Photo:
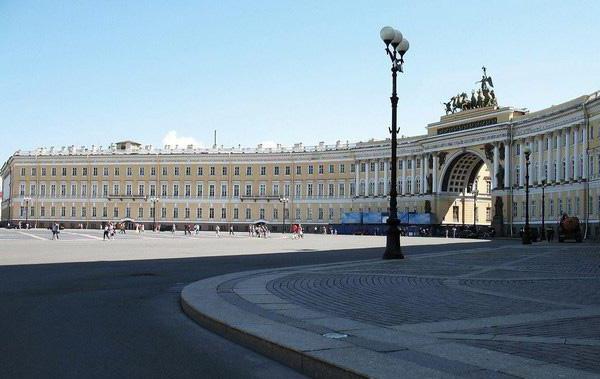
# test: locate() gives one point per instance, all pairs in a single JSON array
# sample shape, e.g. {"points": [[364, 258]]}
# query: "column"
{"points": [[386, 168], [356, 178], [530, 143], [496, 167], [550, 174], [584, 149], [367, 168], [404, 162], [507, 164], [426, 173], [567, 155], [423, 181], [434, 173], [377, 177], [413, 175], [522, 163], [540, 175], [576, 153], [559, 172]]}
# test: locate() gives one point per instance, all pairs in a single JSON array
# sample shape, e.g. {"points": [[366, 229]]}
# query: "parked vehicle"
{"points": [[569, 228]]}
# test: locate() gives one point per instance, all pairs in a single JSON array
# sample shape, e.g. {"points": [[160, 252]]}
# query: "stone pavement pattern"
{"points": [[510, 311]]}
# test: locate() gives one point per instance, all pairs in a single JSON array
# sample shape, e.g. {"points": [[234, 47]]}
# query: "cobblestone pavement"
{"points": [[508, 281], [497, 311]]}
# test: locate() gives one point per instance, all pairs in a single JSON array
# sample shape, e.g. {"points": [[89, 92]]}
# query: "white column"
{"points": [[540, 158], [549, 144], [584, 174], [404, 162], [496, 167], [423, 184], [377, 177], [426, 173], [434, 173], [522, 163], [559, 172], [530, 143], [356, 178], [413, 175], [576, 153], [567, 154], [507, 164], [386, 168], [367, 168]]}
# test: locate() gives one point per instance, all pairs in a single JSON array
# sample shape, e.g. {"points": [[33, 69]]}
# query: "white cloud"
{"points": [[269, 144], [171, 138]]}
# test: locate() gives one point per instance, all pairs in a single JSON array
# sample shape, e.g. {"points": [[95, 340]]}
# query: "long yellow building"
{"points": [[468, 168]]}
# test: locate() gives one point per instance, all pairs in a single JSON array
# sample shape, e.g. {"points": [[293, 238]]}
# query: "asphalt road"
{"points": [[123, 318]]}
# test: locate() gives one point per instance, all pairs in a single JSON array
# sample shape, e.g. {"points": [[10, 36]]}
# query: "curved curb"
{"points": [[298, 360]]}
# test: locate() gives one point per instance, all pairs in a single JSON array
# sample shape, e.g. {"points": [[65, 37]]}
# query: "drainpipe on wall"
{"points": [[509, 210]]}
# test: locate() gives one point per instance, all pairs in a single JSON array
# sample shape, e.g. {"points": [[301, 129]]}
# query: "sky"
{"points": [[97, 72]]}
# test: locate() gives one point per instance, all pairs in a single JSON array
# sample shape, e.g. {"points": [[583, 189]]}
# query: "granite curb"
{"points": [[240, 307]]}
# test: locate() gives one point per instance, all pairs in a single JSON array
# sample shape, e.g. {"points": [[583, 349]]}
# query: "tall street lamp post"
{"points": [[399, 46], [154, 200], [27, 200], [283, 200], [543, 233], [475, 193], [526, 238]]}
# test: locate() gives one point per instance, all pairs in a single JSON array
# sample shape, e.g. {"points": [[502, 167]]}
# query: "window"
{"points": [[249, 170], [187, 212], [248, 214], [309, 190], [128, 189], [236, 190], [53, 171], [43, 171], [211, 190], [275, 213], [309, 213], [236, 213], [455, 211], [94, 212], [342, 168], [331, 213], [275, 189], [64, 171], [372, 166], [129, 171], [223, 190], [298, 170], [212, 170], [331, 169], [142, 171], [248, 189], [341, 190], [320, 190], [236, 171], [298, 214], [140, 189], [298, 191], [211, 213], [175, 190], [115, 189], [276, 170], [320, 169], [152, 171], [198, 212], [262, 189], [34, 171], [175, 212], [199, 189], [381, 166], [286, 190], [115, 212], [352, 189], [63, 190], [188, 172], [164, 172], [261, 213], [352, 168], [287, 170], [188, 190], [140, 212], [263, 170], [117, 171], [128, 212], [224, 170], [223, 213], [74, 171], [42, 211], [163, 212], [310, 169], [176, 171], [200, 171], [163, 190]]}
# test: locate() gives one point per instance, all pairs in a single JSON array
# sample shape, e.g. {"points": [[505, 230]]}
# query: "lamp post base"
{"points": [[392, 246], [526, 239]]}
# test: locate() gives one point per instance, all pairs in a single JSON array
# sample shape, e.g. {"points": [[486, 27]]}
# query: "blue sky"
{"points": [[95, 72]]}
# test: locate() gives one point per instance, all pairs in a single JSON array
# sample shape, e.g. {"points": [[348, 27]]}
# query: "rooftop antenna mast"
{"points": [[215, 140]]}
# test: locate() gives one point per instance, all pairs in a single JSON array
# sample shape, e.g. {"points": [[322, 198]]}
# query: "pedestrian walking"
{"points": [[173, 229], [231, 233], [105, 235], [217, 231]]}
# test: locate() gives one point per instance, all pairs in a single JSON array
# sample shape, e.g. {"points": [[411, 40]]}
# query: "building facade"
{"points": [[468, 168]]}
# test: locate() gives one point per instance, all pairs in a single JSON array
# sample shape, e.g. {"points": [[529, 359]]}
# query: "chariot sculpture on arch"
{"points": [[480, 98]]}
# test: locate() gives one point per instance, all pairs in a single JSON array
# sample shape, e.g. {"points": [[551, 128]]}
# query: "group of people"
{"points": [[297, 231], [258, 231], [110, 230]]}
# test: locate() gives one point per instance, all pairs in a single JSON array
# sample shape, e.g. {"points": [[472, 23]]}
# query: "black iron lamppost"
{"points": [[543, 233], [154, 200], [284, 201], [475, 193], [27, 200], [399, 46], [526, 238]]}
